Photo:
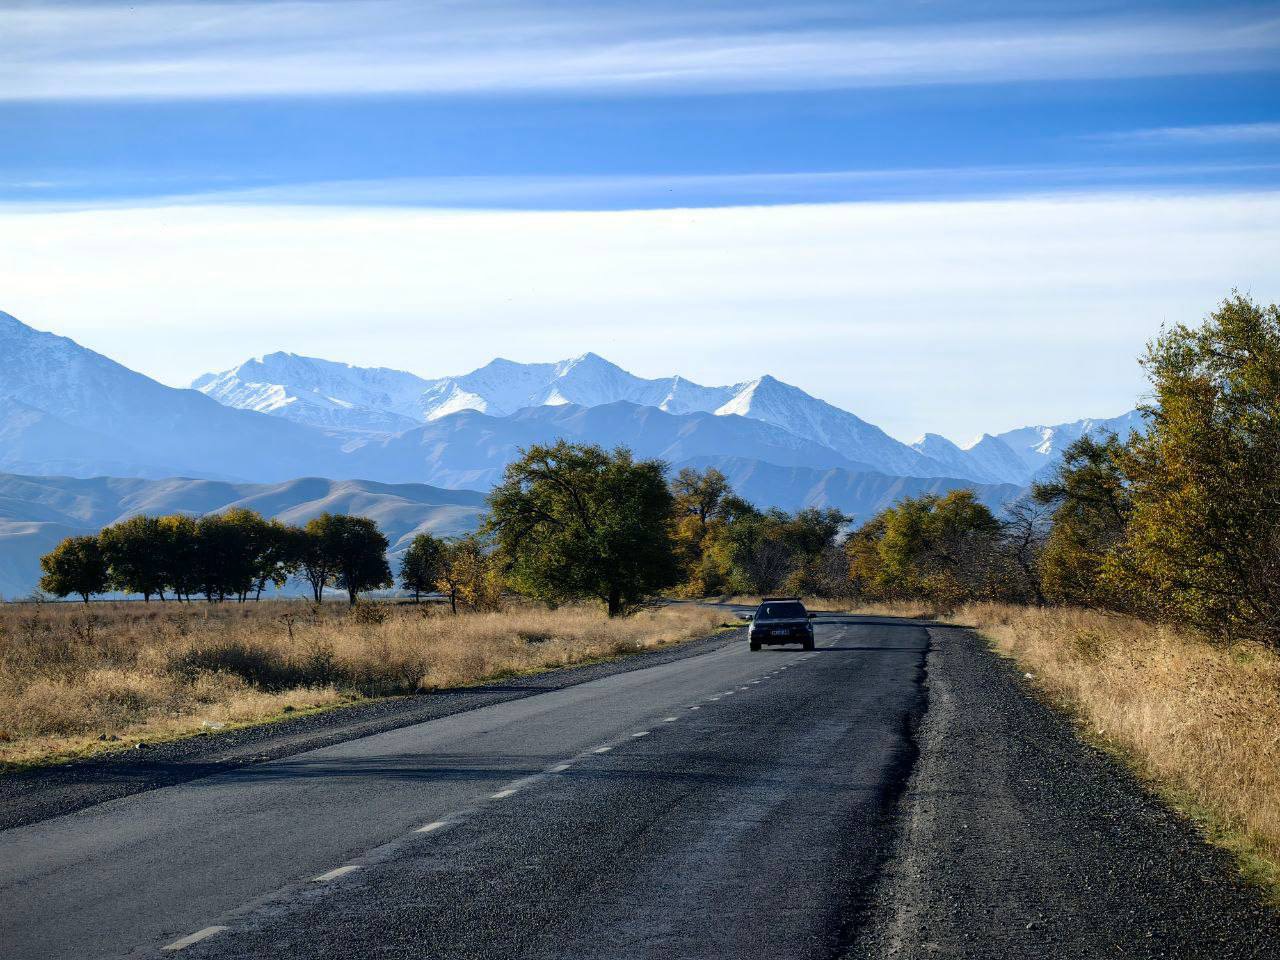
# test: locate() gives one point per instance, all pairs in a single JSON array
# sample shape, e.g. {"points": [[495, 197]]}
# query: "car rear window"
{"points": [[780, 611]]}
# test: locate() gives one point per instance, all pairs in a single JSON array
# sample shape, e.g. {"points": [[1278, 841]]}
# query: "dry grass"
{"points": [[72, 680], [1200, 721]]}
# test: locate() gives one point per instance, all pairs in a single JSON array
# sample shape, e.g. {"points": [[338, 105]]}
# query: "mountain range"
{"points": [[377, 402], [85, 441]]}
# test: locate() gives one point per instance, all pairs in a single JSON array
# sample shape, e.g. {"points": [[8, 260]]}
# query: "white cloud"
{"points": [[389, 46], [1206, 134], [956, 317]]}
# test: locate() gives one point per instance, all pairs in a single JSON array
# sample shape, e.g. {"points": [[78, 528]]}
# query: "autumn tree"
{"points": [[134, 559], [422, 564]]}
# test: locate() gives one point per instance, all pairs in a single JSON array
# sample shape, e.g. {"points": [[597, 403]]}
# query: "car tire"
{"points": [[808, 644], [755, 647]]}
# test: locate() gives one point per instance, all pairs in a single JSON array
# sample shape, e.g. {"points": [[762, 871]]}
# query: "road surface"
{"points": [[728, 804]]}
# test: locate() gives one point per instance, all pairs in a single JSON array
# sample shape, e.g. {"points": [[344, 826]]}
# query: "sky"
{"points": [[946, 217]]}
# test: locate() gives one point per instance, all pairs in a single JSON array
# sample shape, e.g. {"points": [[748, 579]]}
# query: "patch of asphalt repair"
{"points": [[1015, 839], [29, 796]]}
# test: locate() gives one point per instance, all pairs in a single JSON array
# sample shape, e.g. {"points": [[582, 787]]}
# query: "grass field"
{"points": [[76, 680]]}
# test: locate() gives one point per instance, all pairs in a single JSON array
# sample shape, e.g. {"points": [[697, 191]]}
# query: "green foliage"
{"points": [[1092, 503], [941, 549], [353, 552], [76, 565], [136, 564], [574, 521], [1202, 544], [422, 564]]}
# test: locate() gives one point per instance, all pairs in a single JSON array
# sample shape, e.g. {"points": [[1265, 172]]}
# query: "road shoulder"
{"points": [[1016, 839]]}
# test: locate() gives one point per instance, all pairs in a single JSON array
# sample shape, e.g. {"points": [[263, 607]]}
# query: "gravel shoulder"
{"points": [[1016, 839], [33, 795]]}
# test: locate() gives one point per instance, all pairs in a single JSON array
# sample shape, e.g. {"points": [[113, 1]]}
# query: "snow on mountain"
{"points": [[77, 411], [320, 392], [1039, 448]]}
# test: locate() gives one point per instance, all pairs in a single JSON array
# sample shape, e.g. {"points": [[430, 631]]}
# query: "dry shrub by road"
{"points": [[1199, 720], [73, 678]]}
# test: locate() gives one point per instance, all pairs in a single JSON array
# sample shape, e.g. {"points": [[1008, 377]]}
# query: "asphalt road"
{"points": [[893, 793]]}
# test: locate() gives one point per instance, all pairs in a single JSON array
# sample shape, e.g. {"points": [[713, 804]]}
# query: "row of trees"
{"points": [[1178, 523], [219, 556]]}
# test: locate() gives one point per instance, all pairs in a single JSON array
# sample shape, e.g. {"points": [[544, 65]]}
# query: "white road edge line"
{"points": [[501, 794], [196, 937], [431, 826], [335, 874]]}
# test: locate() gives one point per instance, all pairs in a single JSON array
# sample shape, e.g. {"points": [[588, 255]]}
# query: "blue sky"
{"points": [[960, 115]]}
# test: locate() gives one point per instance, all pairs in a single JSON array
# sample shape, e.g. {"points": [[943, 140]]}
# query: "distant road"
{"points": [[728, 804]]}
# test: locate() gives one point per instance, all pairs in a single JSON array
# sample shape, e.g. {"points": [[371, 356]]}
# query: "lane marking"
{"points": [[602, 749], [712, 698], [642, 733], [431, 826], [501, 794], [561, 767], [196, 937], [669, 719], [335, 874], [695, 708]]}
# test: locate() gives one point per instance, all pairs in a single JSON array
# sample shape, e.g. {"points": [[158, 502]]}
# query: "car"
{"points": [[780, 620]]}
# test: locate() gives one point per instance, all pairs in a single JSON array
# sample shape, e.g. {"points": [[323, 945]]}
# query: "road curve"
{"points": [[895, 793]]}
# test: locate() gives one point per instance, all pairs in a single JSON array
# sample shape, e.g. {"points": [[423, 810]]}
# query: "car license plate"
{"points": [[780, 633]]}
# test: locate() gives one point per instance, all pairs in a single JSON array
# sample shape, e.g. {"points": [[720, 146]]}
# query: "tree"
{"points": [[134, 555], [468, 574], [76, 565], [1091, 503], [574, 521], [1202, 543], [225, 553], [178, 560], [277, 553], [421, 565], [933, 548], [350, 552], [1024, 531]]}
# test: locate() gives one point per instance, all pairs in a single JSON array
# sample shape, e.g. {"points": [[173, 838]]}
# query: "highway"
{"points": [[729, 804], [897, 793]]}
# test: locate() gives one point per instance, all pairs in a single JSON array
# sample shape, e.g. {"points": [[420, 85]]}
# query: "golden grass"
{"points": [[73, 680], [1198, 720]]}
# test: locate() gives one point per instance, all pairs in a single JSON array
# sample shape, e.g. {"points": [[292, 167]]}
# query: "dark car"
{"points": [[780, 620]]}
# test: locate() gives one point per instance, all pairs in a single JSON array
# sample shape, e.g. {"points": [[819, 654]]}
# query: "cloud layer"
{"points": [[396, 46]]}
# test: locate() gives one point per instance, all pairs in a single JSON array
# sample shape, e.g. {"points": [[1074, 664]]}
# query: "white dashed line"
{"points": [[196, 937], [642, 733], [669, 719], [430, 827], [695, 708], [560, 767], [501, 794], [713, 698], [602, 749], [335, 874]]}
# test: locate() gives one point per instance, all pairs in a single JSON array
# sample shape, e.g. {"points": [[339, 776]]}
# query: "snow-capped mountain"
{"points": [[69, 409], [1039, 448], [321, 393], [327, 394]]}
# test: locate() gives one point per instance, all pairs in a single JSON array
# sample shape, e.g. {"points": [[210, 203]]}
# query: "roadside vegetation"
{"points": [[76, 680]]}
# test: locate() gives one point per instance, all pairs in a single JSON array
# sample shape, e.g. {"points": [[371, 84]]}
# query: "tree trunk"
{"points": [[615, 601], [351, 596], [453, 601]]}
